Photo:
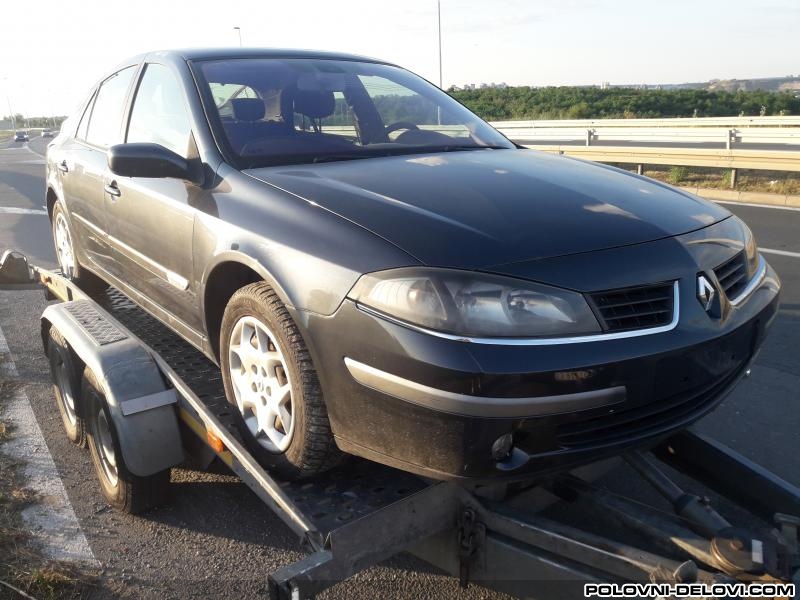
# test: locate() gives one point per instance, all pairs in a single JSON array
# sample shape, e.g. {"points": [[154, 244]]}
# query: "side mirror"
{"points": [[147, 160]]}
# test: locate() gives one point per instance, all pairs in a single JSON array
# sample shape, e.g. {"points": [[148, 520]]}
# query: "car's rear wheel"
{"points": [[270, 378], [67, 259]]}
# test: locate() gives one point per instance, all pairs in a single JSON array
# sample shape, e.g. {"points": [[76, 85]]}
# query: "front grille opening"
{"points": [[633, 308], [732, 275]]}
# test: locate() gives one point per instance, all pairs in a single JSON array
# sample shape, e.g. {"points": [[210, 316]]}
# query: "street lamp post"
{"points": [[10, 111], [239, 31], [439, 13]]}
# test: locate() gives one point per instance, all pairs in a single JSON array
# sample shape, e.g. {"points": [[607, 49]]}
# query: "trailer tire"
{"points": [[311, 448], [122, 489], [66, 387], [67, 259]]}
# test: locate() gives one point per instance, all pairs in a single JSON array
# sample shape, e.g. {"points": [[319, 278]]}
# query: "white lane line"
{"points": [[50, 518], [754, 205], [780, 252], [13, 210]]}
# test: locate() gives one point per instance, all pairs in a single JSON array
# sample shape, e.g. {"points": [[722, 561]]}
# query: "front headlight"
{"points": [[472, 304], [751, 250]]}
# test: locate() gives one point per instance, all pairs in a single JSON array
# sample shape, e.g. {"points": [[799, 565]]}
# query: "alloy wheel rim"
{"points": [[64, 246], [105, 448], [261, 384]]}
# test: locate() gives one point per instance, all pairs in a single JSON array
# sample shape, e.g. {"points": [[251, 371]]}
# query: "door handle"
{"points": [[62, 166], [112, 190]]}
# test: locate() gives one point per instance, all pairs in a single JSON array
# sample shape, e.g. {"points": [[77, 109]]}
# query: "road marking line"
{"points": [[13, 210], [754, 205], [50, 519], [779, 252]]}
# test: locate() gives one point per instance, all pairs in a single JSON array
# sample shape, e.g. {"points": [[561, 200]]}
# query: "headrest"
{"points": [[247, 109], [316, 104]]}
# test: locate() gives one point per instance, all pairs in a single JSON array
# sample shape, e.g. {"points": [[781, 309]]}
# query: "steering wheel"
{"points": [[400, 125]]}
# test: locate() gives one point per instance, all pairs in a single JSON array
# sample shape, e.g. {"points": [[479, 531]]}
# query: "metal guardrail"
{"points": [[771, 160], [668, 135], [727, 122], [679, 142]]}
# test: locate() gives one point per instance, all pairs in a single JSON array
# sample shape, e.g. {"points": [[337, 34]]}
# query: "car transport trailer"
{"points": [[144, 401]]}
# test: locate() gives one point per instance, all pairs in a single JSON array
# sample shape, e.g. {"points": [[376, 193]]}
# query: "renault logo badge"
{"points": [[705, 292]]}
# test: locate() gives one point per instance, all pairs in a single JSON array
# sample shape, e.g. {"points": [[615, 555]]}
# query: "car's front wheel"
{"points": [[270, 378], [67, 259]]}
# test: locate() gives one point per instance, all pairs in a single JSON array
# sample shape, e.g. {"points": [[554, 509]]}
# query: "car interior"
{"points": [[275, 110]]}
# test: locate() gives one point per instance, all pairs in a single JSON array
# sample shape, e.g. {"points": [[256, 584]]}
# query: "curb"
{"points": [[746, 197]]}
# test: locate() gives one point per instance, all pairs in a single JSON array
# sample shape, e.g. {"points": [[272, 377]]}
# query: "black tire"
{"points": [[126, 492], [83, 278], [66, 387], [312, 449]]}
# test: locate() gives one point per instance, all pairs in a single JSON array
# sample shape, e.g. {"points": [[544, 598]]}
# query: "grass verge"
{"points": [[24, 570], [776, 182]]}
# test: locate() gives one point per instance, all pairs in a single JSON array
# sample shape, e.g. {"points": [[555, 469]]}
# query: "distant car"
{"points": [[48, 133], [21, 136]]}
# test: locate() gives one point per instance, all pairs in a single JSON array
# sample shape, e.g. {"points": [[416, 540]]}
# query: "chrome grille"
{"points": [[632, 308], [732, 275]]}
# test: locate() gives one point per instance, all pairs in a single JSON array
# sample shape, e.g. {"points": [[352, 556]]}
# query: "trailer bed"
{"points": [[354, 490], [362, 512]]}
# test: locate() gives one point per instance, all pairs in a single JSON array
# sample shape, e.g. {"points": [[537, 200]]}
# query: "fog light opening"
{"points": [[501, 448]]}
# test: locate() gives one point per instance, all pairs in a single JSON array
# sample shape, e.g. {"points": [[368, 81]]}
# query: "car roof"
{"points": [[237, 52], [199, 54]]}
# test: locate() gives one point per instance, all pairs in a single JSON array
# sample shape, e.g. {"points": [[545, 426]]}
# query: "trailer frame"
{"points": [[363, 513]]}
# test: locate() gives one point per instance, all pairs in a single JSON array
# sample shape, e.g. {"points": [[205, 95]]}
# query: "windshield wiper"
{"points": [[366, 153], [342, 156], [457, 148]]}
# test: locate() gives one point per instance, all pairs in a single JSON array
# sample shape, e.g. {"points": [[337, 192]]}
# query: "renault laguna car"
{"points": [[379, 272]]}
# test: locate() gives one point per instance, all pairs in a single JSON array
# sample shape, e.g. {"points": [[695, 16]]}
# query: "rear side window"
{"points": [[84, 124], [159, 112], [109, 103]]}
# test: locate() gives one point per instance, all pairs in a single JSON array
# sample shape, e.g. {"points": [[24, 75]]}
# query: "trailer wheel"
{"points": [[270, 378], [123, 490], [67, 259], [66, 387]]}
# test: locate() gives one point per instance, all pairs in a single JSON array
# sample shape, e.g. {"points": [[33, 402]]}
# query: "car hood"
{"points": [[480, 208]]}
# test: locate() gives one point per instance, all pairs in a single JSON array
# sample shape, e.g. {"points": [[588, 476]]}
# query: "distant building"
{"points": [[484, 86]]}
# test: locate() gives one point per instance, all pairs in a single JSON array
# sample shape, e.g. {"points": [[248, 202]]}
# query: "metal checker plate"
{"points": [[344, 494], [101, 330]]}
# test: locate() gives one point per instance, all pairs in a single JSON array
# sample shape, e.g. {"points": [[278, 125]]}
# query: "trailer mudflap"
{"points": [[141, 404]]}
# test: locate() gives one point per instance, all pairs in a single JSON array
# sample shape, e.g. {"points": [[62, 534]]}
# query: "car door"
{"points": [[82, 163], [150, 220]]}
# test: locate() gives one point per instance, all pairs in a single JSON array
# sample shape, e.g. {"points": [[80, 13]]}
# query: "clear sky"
{"points": [[52, 51]]}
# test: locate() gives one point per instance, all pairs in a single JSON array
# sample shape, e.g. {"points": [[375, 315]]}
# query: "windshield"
{"points": [[298, 110]]}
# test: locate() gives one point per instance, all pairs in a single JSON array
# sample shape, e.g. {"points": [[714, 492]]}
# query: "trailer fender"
{"points": [[139, 400]]}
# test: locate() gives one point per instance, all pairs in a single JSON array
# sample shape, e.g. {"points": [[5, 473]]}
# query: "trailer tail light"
{"points": [[213, 441]]}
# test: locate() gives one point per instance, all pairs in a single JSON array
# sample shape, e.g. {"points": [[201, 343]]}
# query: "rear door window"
{"points": [[106, 117], [84, 124]]}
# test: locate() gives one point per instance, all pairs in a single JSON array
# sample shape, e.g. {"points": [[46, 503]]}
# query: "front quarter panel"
{"points": [[311, 256]]}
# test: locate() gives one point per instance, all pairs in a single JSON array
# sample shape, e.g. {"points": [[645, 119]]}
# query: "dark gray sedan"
{"points": [[378, 271]]}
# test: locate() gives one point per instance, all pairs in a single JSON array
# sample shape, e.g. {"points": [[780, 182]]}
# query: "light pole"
{"points": [[239, 31], [10, 112], [439, 13]]}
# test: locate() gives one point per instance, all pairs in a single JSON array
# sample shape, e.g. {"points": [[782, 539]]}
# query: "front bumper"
{"points": [[437, 406]]}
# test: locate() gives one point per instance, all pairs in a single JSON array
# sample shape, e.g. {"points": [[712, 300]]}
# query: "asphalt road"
{"points": [[217, 539]]}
